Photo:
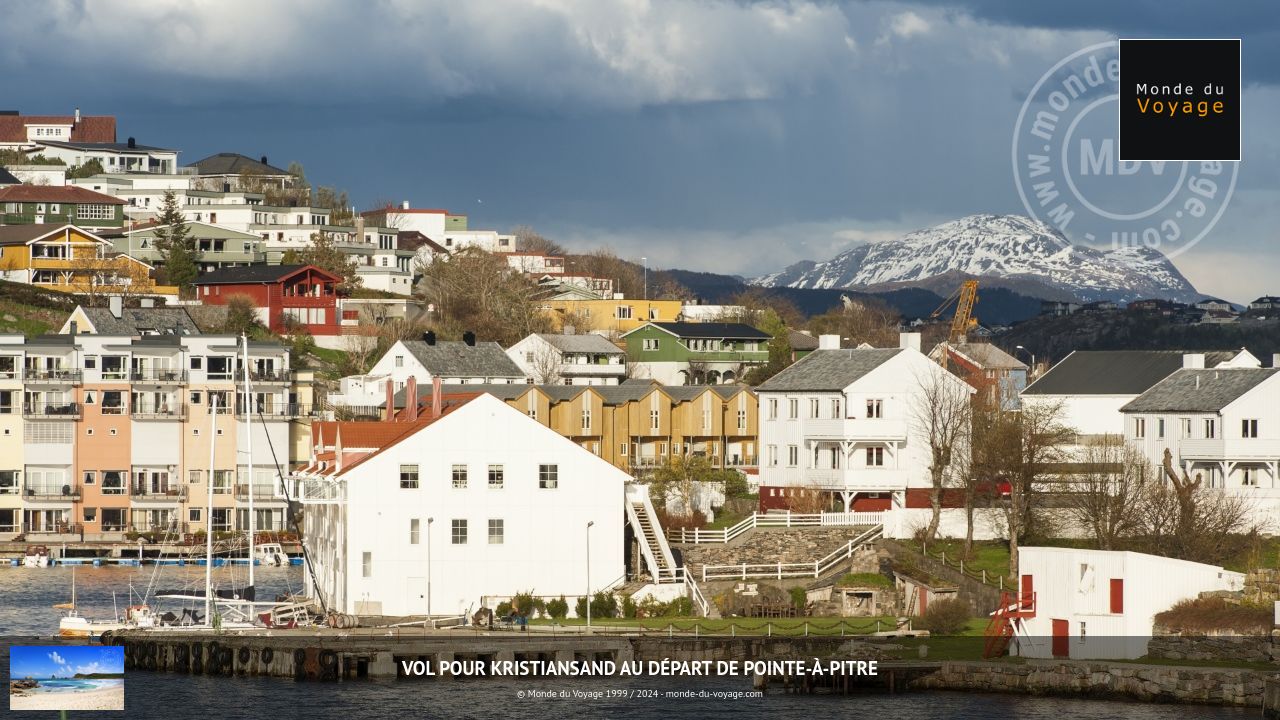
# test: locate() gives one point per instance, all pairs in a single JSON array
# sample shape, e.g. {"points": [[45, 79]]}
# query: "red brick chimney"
{"points": [[411, 399], [435, 398], [390, 412]]}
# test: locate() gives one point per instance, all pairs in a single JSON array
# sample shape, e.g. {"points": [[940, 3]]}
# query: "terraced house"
{"points": [[57, 205], [102, 435], [682, 353]]}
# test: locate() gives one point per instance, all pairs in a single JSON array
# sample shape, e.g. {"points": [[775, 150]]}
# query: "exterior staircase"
{"points": [[1000, 631], [653, 542]]}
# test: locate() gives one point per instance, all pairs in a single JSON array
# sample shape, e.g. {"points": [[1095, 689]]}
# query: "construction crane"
{"points": [[964, 298]]}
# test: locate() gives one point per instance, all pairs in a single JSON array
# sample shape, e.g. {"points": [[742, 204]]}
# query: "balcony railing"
{"points": [[159, 376], [142, 492], [174, 411], [56, 529], [54, 376], [260, 492], [114, 525], [56, 491], [278, 410], [52, 411], [170, 526], [271, 376]]}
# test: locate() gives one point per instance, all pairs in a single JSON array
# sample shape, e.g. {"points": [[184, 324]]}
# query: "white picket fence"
{"points": [[780, 570], [776, 519]]}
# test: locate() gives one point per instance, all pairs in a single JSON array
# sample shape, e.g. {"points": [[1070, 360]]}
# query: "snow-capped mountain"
{"points": [[1013, 248]]}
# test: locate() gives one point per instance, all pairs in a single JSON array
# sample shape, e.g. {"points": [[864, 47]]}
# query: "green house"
{"points": [[686, 353], [215, 246], [60, 205]]}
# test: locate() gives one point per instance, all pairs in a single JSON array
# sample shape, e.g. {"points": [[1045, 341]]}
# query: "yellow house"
{"points": [[70, 259], [615, 316]]}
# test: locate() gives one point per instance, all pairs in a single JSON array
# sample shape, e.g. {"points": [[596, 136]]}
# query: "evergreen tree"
{"points": [[177, 253]]}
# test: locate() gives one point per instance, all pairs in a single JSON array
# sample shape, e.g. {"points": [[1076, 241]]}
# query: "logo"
{"points": [[1069, 175]]}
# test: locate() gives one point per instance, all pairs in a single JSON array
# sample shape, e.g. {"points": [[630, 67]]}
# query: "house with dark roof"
{"points": [[115, 319], [1089, 387], [288, 298], [1220, 425], [114, 157], [848, 423], [59, 204], [576, 359], [25, 132], [227, 168], [802, 343], [7, 178], [687, 353]]}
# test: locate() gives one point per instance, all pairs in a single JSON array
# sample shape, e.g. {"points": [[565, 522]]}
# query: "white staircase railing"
{"points": [[775, 519], [662, 568], [780, 570]]}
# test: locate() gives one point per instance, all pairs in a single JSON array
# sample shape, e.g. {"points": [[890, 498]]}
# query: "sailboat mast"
{"points": [[248, 443], [208, 510]]}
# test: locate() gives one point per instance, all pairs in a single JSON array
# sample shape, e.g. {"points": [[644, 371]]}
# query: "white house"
{"points": [[570, 359], [1101, 604], [849, 422], [432, 516], [1221, 424], [463, 362], [113, 157]]}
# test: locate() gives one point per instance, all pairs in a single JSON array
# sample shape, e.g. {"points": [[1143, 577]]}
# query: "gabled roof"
{"points": [[1199, 390], [828, 370], [136, 321], [23, 234], [234, 164], [986, 356], [458, 359], [379, 434], [257, 274], [1107, 372], [413, 240], [587, 343], [736, 331], [91, 128], [801, 341], [7, 178], [72, 194]]}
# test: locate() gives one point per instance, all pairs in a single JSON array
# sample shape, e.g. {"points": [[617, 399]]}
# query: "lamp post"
{"points": [[1033, 359], [589, 524], [429, 521]]}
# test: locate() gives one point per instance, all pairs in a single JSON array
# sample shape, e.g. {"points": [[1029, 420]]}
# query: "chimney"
{"points": [[147, 302], [404, 205], [75, 328], [390, 412], [411, 399], [429, 337], [132, 143], [359, 228], [437, 404], [264, 160], [77, 116], [469, 338], [828, 342], [1193, 360], [568, 330], [1275, 360], [116, 303], [909, 341]]}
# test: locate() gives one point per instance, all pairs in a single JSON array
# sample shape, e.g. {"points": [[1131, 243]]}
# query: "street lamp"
{"points": [[1033, 359], [589, 524], [429, 521]]}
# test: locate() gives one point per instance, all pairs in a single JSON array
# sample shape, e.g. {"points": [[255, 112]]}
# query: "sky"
{"points": [[64, 660], [719, 135]]}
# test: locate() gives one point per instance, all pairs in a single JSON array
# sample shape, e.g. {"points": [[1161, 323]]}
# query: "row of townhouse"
{"points": [[102, 435], [635, 426]]}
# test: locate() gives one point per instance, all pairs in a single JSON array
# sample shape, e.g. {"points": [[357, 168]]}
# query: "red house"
{"points": [[285, 295]]}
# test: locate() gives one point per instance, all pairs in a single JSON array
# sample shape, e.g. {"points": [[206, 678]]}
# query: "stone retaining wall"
{"points": [[1146, 683], [774, 545], [1215, 646]]}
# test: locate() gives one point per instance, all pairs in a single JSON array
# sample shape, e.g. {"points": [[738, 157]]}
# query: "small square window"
{"points": [[458, 532], [459, 477], [496, 477], [497, 532], [408, 477], [548, 477]]}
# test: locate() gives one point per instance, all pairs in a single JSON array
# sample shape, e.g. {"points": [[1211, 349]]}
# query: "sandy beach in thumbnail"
{"points": [[109, 698]]}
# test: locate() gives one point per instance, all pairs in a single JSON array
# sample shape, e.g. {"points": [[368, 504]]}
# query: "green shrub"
{"points": [[528, 604], [944, 617], [799, 598], [604, 605], [558, 608], [580, 607], [504, 609], [1208, 614], [681, 606], [628, 607]]}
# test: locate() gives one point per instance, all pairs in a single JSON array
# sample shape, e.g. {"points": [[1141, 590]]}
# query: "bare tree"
{"points": [[530, 240], [1185, 519], [860, 321], [1037, 455], [545, 364], [1108, 490], [941, 413]]}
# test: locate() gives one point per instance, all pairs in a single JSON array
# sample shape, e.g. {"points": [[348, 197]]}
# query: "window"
{"points": [[875, 408], [366, 564], [586, 418], [9, 482], [1159, 428], [408, 477], [793, 408], [1248, 477], [413, 531], [549, 476], [813, 407], [623, 451], [91, 362], [662, 448], [651, 343], [706, 419], [835, 408], [458, 532], [194, 476], [793, 455], [875, 457], [90, 477], [1185, 427], [194, 515], [399, 361], [459, 477], [496, 531], [197, 363], [773, 456], [623, 312], [195, 397], [113, 402], [90, 514], [113, 482], [653, 419], [773, 408], [495, 477], [1139, 428], [93, 211], [1210, 429], [222, 482], [742, 419], [1248, 428]]}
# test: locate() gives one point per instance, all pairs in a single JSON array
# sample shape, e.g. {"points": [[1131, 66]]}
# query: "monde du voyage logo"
{"points": [[1132, 155]]}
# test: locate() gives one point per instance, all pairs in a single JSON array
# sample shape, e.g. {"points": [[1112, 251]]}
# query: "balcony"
{"points": [[55, 529], [271, 376], [56, 376], [163, 376], [142, 492], [855, 429], [64, 492], [146, 526], [279, 411], [1215, 449], [859, 479], [260, 492], [740, 461], [173, 411], [51, 411]]}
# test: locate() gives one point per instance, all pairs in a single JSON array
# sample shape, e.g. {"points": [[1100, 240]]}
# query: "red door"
{"points": [[1028, 592], [924, 599], [1117, 596], [1060, 642]]}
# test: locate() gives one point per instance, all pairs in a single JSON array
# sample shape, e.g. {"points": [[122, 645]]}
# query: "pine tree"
{"points": [[177, 253]]}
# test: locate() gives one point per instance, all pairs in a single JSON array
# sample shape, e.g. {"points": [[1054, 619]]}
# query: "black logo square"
{"points": [[1179, 100]]}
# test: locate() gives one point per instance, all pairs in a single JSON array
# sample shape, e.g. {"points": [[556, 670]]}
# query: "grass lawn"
{"points": [[824, 626]]}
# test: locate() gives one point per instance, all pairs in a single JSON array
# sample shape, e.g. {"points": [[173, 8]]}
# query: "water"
{"points": [[54, 686], [27, 594]]}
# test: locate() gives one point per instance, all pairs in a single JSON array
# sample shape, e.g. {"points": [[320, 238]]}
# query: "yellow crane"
{"points": [[964, 298]]}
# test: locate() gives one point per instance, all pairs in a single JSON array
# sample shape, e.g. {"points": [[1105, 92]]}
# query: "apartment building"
{"points": [[851, 424], [614, 316], [103, 435]]}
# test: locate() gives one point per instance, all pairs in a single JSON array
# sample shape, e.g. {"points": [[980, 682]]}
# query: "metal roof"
{"points": [[1108, 372], [1199, 390], [458, 359], [828, 369]]}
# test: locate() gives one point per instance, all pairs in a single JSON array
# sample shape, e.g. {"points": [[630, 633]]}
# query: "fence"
{"points": [[780, 570], [784, 520], [990, 579]]}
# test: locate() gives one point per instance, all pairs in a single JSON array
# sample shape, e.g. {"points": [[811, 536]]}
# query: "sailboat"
{"points": [[75, 625]]}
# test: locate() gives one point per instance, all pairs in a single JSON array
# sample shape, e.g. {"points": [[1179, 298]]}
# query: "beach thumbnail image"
{"points": [[66, 677]]}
